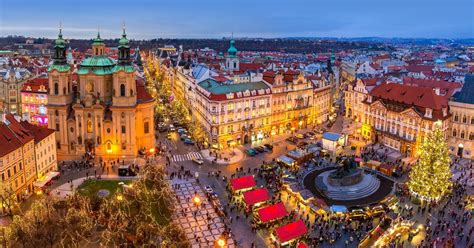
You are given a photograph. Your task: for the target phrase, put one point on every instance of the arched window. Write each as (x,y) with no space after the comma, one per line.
(456,117)
(464,119)
(56,89)
(64,90)
(454,133)
(89,126)
(122,90)
(471,136)
(462,134)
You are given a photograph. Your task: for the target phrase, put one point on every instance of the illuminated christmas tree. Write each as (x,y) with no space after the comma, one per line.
(430,178)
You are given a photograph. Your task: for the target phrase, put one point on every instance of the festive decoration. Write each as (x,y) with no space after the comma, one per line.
(430,178)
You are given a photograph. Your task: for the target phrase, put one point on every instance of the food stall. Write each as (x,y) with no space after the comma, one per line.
(289,233)
(271,213)
(338,209)
(45,181)
(334,142)
(300,155)
(286,161)
(256,197)
(242,184)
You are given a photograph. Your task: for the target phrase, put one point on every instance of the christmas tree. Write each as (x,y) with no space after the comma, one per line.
(430,178)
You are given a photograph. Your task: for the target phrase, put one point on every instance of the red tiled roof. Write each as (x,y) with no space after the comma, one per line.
(447,88)
(12,136)
(372,81)
(251,66)
(40,133)
(142,94)
(35,84)
(420,68)
(410,95)
(273,212)
(243,183)
(255,196)
(291,231)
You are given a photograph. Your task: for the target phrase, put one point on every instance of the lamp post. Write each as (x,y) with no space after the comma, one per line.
(220,242)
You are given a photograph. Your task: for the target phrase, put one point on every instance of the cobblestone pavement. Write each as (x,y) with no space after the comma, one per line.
(202,225)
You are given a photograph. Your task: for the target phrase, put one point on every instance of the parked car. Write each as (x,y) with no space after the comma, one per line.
(184,136)
(251,152)
(268,146)
(292,140)
(299,136)
(188,141)
(172,128)
(208,189)
(182,131)
(259,149)
(198,161)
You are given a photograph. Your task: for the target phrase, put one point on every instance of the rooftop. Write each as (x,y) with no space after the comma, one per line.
(466,95)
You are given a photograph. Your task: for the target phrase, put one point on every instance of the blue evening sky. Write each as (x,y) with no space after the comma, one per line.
(245,18)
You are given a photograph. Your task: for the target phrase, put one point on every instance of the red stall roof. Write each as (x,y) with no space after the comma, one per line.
(302,245)
(272,212)
(255,196)
(243,183)
(291,231)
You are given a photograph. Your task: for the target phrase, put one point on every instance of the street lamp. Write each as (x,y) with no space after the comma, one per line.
(220,242)
(197,200)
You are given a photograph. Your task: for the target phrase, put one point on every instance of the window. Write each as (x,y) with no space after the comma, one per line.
(464,119)
(56,88)
(108,130)
(89,126)
(21,166)
(456,118)
(123,129)
(462,134)
(454,133)
(109,146)
(57,127)
(471,136)
(122,90)
(146,127)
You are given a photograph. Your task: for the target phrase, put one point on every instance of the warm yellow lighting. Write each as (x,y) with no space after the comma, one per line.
(39,192)
(120,197)
(152,150)
(109,150)
(221,242)
(196,200)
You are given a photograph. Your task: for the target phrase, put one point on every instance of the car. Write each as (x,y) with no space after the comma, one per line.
(188,141)
(299,136)
(357,214)
(292,140)
(310,133)
(198,161)
(182,131)
(209,189)
(172,128)
(259,149)
(264,148)
(268,146)
(302,144)
(184,136)
(251,152)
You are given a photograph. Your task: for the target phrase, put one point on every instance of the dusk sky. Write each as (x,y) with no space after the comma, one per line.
(146,19)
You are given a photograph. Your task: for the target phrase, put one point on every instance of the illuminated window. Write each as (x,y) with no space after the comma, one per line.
(89,126)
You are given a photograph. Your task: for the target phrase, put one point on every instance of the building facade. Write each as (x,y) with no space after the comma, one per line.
(110,114)
(34,101)
(461,135)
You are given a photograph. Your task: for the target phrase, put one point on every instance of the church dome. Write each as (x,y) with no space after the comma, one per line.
(60,42)
(232,51)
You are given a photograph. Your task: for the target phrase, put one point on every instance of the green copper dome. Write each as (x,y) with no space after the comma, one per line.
(123,42)
(60,42)
(232,51)
(98,40)
(99,65)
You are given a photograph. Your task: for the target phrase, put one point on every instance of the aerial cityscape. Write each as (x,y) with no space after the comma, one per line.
(237,124)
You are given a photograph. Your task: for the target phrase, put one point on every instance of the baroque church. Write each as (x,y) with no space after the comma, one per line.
(108,113)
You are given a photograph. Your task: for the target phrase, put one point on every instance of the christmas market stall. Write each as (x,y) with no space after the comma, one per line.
(271,213)
(242,184)
(290,233)
(256,197)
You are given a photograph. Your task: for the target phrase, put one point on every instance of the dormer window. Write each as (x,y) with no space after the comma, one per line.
(428,113)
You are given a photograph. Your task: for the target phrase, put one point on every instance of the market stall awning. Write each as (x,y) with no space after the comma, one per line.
(302,245)
(338,209)
(255,196)
(286,160)
(291,231)
(242,183)
(332,136)
(272,212)
(41,182)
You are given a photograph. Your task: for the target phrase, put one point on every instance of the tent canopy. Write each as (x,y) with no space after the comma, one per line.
(302,245)
(243,183)
(332,136)
(285,159)
(338,209)
(272,212)
(255,196)
(40,183)
(291,231)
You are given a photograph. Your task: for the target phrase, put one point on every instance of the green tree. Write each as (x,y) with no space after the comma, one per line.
(430,178)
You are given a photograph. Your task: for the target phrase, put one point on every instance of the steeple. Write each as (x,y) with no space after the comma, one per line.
(232,51)
(60,49)
(98,46)
(124,49)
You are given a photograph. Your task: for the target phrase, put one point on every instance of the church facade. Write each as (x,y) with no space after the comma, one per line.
(108,113)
